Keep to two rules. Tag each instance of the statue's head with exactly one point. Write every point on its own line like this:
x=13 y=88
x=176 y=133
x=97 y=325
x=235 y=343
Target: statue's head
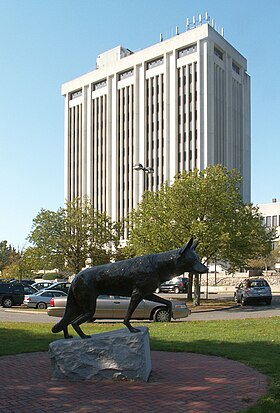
x=188 y=259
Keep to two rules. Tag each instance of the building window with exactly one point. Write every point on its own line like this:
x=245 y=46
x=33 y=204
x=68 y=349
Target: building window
x=99 y=85
x=76 y=94
x=235 y=68
x=268 y=221
x=126 y=74
x=187 y=50
x=155 y=63
x=274 y=220
x=218 y=53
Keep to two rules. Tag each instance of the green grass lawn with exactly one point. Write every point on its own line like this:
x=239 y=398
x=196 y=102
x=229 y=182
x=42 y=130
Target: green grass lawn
x=255 y=342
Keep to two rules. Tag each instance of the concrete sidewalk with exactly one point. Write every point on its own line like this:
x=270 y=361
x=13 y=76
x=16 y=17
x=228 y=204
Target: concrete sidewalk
x=180 y=382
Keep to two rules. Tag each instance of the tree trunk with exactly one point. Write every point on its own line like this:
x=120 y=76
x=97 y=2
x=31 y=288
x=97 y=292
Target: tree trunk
x=196 y=298
x=190 y=285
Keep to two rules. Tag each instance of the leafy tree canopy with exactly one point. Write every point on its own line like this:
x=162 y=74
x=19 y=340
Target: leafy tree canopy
x=66 y=239
x=206 y=205
x=8 y=255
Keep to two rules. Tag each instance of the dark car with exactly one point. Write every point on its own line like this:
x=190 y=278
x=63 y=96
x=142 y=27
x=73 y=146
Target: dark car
x=176 y=285
x=253 y=290
x=24 y=282
x=11 y=294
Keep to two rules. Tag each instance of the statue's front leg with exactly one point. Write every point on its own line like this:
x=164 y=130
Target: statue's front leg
x=136 y=298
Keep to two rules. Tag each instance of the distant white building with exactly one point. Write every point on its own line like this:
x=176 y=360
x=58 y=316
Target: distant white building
x=271 y=215
x=181 y=104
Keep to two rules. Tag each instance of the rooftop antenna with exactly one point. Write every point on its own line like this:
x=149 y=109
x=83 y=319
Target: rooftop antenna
x=207 y=17
x=193 y=20
x=177 y=30
x=187 y=24
x=200 y=19
x=213 y=23
x=160 y=37
x=223 y=32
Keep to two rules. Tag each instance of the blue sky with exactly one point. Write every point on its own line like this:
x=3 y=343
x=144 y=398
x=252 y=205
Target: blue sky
x=44 y=43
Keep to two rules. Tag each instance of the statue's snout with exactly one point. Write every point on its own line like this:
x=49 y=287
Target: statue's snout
x=200 y=268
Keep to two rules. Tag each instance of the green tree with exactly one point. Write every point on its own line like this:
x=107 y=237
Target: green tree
x=8 y=255
x=206 y=205
x=66 y=239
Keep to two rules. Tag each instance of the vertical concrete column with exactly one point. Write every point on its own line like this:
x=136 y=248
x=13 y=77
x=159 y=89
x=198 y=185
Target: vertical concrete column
x=95 y=149
x=131 y=146
x=160 y=132
x=171 y=82
x=72 y=156
x=125 y=150
x=121 y=160
x=113 y=127
x=104 y=153
x=200 y=134
x=66 y=149
x=89 y=144
x=229 y=136
x=206 y=103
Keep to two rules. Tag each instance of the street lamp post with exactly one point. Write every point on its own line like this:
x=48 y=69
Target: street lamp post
x=145 y=169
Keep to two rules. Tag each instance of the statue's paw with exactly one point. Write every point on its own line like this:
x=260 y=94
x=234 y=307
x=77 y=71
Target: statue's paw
x=85 y=336
x=67 y=337
x=135 y=330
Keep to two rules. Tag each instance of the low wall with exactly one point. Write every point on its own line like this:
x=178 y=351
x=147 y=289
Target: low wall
x=226 y=283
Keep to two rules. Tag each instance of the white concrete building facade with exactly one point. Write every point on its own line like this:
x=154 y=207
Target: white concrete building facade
x=271 y=216
x=181 y=104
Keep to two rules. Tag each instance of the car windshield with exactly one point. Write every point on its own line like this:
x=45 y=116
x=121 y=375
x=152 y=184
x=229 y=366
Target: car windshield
x=258 y=283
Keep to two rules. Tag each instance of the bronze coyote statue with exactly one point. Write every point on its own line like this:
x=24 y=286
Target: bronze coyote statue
x=137 y=278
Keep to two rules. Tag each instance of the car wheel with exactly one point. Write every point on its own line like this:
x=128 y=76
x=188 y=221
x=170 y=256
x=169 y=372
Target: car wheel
x=42 y=306
x=176 y=290
x=7 y=302
x=162 y=315
x=243 y=301
x=236 y=299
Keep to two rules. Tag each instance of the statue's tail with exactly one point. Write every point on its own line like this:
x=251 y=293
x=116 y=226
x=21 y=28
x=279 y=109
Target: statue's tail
x=71 y=312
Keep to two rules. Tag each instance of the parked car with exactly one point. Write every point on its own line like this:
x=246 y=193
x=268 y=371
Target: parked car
x=42 y=298
x=42 y=285
x=115 y=307
x=176 y=285
x=29 y=289
x=253 y=290
x=11 y=294
x=60 y=286
x=23 y=282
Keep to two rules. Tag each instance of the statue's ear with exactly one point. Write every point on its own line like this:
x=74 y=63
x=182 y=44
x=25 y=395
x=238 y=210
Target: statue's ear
x=195 y=244
x=187 y=246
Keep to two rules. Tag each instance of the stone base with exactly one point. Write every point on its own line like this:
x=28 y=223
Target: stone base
x=115 y=355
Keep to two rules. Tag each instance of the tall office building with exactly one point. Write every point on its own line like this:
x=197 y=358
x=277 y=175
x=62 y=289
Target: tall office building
x=181 y=104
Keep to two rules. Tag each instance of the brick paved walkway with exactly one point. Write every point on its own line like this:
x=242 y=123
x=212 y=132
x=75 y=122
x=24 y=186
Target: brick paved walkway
x=180 y=382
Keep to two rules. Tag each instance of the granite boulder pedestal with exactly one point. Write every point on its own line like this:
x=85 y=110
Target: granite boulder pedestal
x=114 y=355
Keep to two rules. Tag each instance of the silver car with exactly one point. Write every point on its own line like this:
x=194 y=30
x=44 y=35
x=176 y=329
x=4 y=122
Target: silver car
x=253 y=290
x=115 y=307
x=42 y=299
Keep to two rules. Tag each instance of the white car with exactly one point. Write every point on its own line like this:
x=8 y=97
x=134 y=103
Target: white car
x=42 y=299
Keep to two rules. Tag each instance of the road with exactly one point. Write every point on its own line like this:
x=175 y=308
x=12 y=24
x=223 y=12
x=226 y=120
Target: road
x=237 y=312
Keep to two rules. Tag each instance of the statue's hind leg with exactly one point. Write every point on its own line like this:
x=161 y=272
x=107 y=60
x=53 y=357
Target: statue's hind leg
x=66 y=333
x=136 y=298
x=84 y=318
